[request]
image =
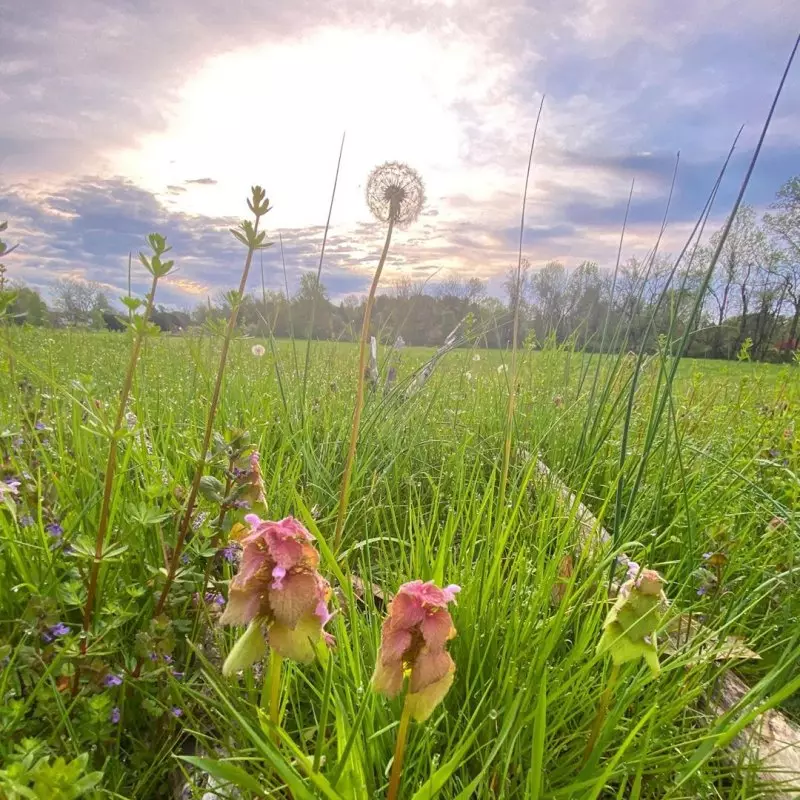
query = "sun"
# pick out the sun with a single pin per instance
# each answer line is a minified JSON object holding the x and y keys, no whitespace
{"x":275,"y":115}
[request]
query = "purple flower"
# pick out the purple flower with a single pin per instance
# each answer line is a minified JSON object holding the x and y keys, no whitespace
{"x":231,"y":553}
{"x":17,"y":442}
{"x":55,"y":530}
{"x":114,"y":717}
{"x":215,"y":597}
{"x":9,"y":486}
{"x":112,"y":680}
{"x":703,"y":590}
{"x":40,"y":426}
{"x":240,"y":504}
{"x":54,"y":631}
{"x":167,"y":658}
{"x":25,"y":521}
{"x":184,"y":559}
{"x":177,"y":675}
{"x":706,"y":556}
{"x":154,"y":656}
{"x":177,"y":712}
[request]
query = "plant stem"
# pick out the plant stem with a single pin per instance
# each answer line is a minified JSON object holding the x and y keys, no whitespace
{"x":602,"y":710}
{"x":212,"y":412}
{"x":344,"y":492}
{"x":512,"y":378}
{"x":399,"y":752}
{"x":108,"y":484}
{"x":275,"y":662}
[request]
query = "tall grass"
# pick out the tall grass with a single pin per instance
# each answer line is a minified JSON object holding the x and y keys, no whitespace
{"x":439,"y":491}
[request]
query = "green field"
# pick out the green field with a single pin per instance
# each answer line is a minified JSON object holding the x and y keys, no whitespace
{"x":708,"y":494}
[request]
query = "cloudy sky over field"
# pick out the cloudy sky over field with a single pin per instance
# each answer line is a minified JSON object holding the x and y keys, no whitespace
{"x":120,"y":117}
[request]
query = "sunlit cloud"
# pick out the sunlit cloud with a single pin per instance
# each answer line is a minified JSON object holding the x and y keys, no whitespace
{"x":117,"y":119}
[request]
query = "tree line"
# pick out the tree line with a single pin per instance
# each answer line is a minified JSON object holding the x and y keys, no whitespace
{"x":749,"y":308}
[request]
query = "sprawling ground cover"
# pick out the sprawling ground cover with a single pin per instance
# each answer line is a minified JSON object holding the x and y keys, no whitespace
{"x":707,"y":493}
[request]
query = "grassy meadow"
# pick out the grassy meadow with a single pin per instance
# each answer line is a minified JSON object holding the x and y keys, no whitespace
{"x":707,"y":493}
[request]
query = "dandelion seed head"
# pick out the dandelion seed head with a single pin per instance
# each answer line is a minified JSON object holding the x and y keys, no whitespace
{"x":395,"y":192}
{"x":258,"y":350}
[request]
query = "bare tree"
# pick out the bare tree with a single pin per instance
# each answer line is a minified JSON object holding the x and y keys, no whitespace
{"x":784,"y":224}
{"x":79,"y":300}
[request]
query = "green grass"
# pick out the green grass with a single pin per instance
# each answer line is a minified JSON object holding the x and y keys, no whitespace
{"x":708,"y":475}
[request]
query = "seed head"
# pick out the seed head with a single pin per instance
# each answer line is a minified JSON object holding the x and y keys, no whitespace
{"x":395,"y":192}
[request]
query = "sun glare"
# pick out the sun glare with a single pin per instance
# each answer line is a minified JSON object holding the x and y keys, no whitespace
{"x":274,"y":115}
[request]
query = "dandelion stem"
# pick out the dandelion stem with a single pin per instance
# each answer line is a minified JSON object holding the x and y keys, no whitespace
{"x":108,"y":484}
{"x":602,"y":711}
{"x":399,"y":752}
{"x":344,"y":492}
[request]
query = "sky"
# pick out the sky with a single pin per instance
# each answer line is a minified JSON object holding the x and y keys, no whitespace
{"x":123,"y":117}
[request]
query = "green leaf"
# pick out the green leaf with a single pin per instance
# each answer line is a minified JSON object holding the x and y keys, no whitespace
{"x":227,"y":772}
{"x":211,"y":488}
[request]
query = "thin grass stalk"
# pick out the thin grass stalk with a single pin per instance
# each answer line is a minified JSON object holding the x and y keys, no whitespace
{"x":701,"y":293}
{"x":344,"y":492}
{"x":288,"y":310}
{"x":183,"y":530}
{"x":512,"y":389}
{"x":310,"y":334}
{"x":108,"y":482}
{"x":602,"y":712}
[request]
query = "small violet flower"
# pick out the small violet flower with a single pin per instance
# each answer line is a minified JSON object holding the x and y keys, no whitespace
{"x":277,"y":585}
{"x":413,"y":641}
{"x":114,"y":716}
{"x":55,"y":530}
{"x":40,"y":426}
{"x":231,"y":553}
{"x":177,"y":712}
{"x":8,"y":487}
{"x":112,"y":680}
{"x":214,"y":597}
{"x":54,"y":631}
{"x":25,"y":521}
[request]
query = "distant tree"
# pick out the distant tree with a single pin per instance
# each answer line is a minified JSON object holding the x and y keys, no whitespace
{"x":783,"y":222}
{"x":78,"y":301}
{"x":28,"y":308}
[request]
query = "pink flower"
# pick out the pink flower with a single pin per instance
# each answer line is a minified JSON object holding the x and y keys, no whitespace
{"x":277,"y":585}
{"x":413,"y":641}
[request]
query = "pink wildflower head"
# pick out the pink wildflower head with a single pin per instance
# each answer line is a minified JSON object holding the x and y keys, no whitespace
{"x":413,"y":641}
{"x":649,"y":582}
{"x":277,"y":585}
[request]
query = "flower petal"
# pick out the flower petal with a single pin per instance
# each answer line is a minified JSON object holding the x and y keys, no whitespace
{"x":421,"y":704}
{"x":436,"y":629}
{"x":299,"y":595}
{"x":387,"y":678}
{"x":296,"y":643}
{"x":249,"y":648}
{"x":406,"y":610}
{"x":430,"y":666}
{"x":243,"y":606}
{"x":394,"y":642}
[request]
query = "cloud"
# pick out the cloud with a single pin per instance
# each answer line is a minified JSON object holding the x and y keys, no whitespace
{"x":106,"y":106}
